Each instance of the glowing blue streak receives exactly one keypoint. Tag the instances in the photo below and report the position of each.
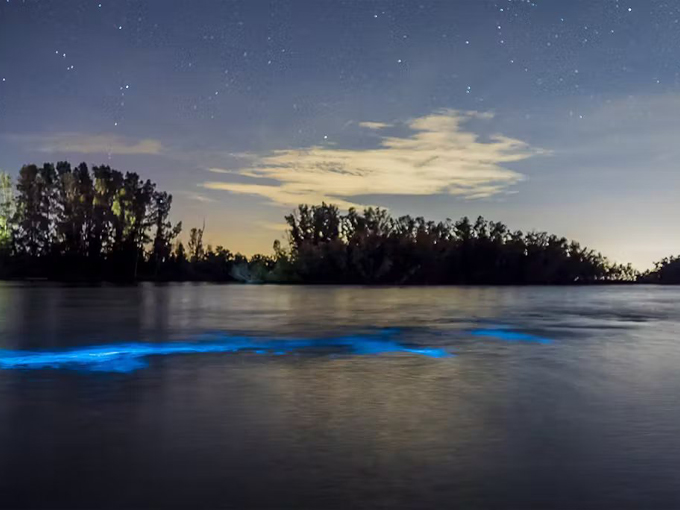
(132, 356)
(509, 336)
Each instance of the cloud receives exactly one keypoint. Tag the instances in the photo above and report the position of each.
(190, 195)
(438, 157)
(243, 155)
(374, 125)
(241, 172)
(279, 195)
(272, 225)
(89, 144)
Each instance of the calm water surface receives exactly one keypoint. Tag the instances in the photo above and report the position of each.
(555, 398)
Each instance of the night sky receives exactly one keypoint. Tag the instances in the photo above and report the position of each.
(556, 115)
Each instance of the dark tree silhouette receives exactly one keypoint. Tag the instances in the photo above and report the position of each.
(666, 271)
(70, 223)
(35, 189)
(372, 247)
(74, 207)
(165, 233)
(6, 214)
(195, 245)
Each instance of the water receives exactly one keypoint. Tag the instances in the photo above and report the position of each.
(339, 397)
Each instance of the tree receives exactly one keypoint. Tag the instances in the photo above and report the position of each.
(34, 209)
(6, 212)
(374, 248)
(74, 208)
(666, 271)
(101, 237)
(165, 233)
(180, 253)
(66, 221)
(196, 244)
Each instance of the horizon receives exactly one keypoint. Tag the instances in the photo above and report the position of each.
(284, 228)
(557, 118)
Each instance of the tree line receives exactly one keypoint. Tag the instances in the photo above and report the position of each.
(75, 223)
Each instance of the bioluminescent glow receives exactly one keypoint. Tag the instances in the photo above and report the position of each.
(127, 357)
(509, 336)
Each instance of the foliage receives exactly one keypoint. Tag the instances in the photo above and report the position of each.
(69, 223)
(373, 248)
(666, 271)
(6, 212)
(77, 223)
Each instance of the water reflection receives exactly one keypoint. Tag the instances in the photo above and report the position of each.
(588, 421)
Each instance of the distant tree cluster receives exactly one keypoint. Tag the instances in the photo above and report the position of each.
(64, 222)
(78, 223)
(666, 271)
(374, 248)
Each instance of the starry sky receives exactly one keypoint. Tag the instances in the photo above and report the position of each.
(553, 114)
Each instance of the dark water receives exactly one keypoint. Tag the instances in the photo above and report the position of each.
(555, 398)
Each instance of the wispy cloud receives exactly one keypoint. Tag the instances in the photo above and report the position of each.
(439, 157)
(197, 197)
(243, 155)
(241, 172)
(81, 143)
(272, 225)
(374, 125)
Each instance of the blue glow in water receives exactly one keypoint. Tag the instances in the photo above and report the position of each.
(509, 336)
(128, 357)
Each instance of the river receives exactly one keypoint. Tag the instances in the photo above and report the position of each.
(235, 396)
